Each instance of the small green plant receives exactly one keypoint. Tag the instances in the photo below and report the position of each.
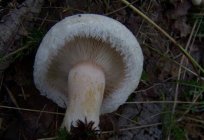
(192, 92)
(28, 43)
(171, 127)
(63, 135)
(178, 132)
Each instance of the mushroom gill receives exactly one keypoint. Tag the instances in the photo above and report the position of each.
(82, 49)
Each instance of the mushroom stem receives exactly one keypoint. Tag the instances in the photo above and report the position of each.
(86, 84)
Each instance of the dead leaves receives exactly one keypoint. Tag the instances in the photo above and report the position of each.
(177, 15)
(180, 25)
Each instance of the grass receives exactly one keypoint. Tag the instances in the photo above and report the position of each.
(28, 43)
(63, 135)
(171, 127)
(191, 59)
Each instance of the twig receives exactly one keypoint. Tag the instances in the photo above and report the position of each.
(41, 112)
(62, 114)
(144, 90)
(131, 128)
(31, 110)
(13, 53)
(179, 71)
(23, 93)
(192, 60)
(164, 102)
(194, 33)
(110, 13)
(184, 67)
(64, 9)
(193, 119)
(54, 138)
(42, 19)
(150, 4)
(11, 96)
(126, 118)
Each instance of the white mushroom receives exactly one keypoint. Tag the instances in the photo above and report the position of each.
(89, 64)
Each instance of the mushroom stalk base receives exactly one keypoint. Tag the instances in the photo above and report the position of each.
(86, 84)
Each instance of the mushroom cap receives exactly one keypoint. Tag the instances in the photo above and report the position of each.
(89, 29)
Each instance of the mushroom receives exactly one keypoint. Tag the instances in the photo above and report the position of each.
(88, 64)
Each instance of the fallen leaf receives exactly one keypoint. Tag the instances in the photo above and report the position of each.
(180, 9)
(181, 27)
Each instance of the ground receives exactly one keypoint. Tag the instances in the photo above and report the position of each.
(167, 104)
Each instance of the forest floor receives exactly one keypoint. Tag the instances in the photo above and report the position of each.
(169, 101)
